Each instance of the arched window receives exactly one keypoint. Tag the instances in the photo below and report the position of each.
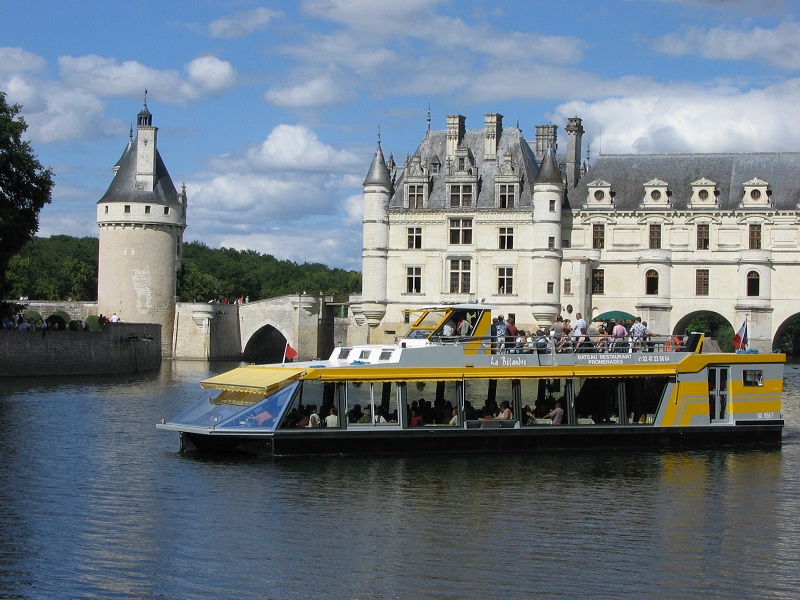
(753, 280)
(651, 282)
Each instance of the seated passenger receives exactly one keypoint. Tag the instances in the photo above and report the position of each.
(367, 416)
(355, 414)
(332, 420)
(454, 418)
(416, 420)
(556, 415)
(505, 411)
(313, 417)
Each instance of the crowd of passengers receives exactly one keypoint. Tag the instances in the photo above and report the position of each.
(568, 336)
(420, 413)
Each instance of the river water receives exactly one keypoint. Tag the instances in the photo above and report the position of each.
(95, 502)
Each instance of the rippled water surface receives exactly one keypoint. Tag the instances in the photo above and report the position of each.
(95, 502)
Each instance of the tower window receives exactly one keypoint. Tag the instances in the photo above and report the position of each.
(701, 282)
(703, 236)
(568, 287)
(459, 276)
(651, 282)
(551, 287)
(505, 280)
(655, 237)
(147, 210)
(755, 237)
(598, 236)
(552, 206)
(413, 280)
(598, 281)
(414, 238)
(753, 283)
(551, 243)
(106, 208)
(166, 210)
(127, 209)
(460, 231)
(506, 238)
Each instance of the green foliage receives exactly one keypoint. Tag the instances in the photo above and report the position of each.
(715, 326)
(245, 273)
(33, 316)
(94, 322)
(60, 267)
(25, 187)
(789, 340)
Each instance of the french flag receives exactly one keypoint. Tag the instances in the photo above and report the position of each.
(740, 339)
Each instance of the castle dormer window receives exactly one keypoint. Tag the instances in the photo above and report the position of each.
(704, 194)
(415, 195)
(656, 193)
(460, 194)
(756, 194)
(507, 183)
(599, 194)
(507, 194)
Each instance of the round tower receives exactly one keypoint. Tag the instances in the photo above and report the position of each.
(548, 196)
(377, 189)
(141, 219)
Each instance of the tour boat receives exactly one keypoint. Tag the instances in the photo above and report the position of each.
(448, 385)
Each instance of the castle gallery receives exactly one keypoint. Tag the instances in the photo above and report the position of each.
(486, 215)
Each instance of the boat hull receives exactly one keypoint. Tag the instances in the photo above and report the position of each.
(540, 438)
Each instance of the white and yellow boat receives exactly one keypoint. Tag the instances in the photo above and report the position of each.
(432, 392)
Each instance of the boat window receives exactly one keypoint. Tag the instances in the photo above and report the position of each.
(486, 395)
(538, 397)
(344, 353)
(431, 403)
(609, 400)
(386, 354)
(267, 413)
(314, 398)
(753, 378)
(210, 412)
(364, 354)
(371, 403)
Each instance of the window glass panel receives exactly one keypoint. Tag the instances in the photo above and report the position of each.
(598, 236)
(432, 403)
(703, 236)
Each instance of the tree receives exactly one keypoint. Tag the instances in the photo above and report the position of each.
(25, 186)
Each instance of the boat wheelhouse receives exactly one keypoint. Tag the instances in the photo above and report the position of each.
(439, 389)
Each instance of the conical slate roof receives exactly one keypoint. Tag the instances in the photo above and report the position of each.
(378, 171)
(123, 186)
(549, 171)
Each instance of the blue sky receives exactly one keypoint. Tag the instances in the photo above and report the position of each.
(269, 111)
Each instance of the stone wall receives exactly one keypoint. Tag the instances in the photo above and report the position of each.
(76, 310)
(119, 348)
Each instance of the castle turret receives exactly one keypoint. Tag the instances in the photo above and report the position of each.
(548, 196)
(141, 219)
(377, 190)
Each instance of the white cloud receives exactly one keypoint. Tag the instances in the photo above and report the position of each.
(321, 91)
(242, 23)
(779, 47)
(692, 119)
(296, 148)
(17, 60)
(211, 73)
(107, 76)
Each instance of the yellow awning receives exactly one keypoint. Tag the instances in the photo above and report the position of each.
(253, 379)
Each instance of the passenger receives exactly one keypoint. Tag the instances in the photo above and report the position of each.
(379, 418)
(448, 329)
(530, 416)
(469, 411)
(603, 340)
(355, 414)
(367, 416)
(313, 417)
(580, 333)
(638, 335)
(505, 411)
(501, 334)
(511, 335)
(618, 335)
(332, 420)
(463, 328)
(556, 415)
(454, 418)
(303, 420)
(416, 420)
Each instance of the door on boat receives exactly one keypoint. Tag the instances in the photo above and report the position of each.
(718, 378)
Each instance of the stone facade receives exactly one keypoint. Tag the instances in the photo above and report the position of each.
(485, 215)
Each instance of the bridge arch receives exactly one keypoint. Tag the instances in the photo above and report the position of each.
(265, 345)
(683, 322)
(787, 335)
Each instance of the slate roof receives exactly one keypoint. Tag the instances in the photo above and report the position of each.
(435, 145)
(627, 174)
(123, 186)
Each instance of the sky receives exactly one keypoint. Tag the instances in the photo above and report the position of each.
(270, 112)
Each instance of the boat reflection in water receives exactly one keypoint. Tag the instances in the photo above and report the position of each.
(440, 391)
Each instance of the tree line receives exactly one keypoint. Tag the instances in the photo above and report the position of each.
(63, 267)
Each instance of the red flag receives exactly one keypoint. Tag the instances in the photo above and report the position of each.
(290, 352)
(740, 339)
